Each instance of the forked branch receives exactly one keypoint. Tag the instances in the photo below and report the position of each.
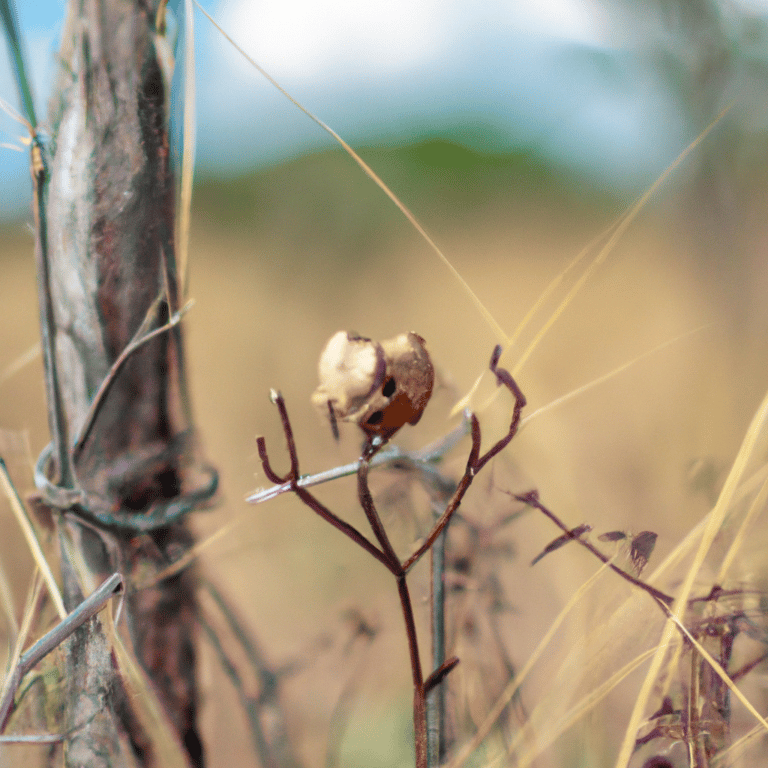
(475, 462)
(385, 552)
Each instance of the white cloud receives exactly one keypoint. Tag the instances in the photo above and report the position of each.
(581, 21)
(304, 39)
(307, 39)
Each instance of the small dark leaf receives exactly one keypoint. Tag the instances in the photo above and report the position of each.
(642, 547)
(561, 540)
(612, 536)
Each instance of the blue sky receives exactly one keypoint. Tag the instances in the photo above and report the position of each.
(571, 80)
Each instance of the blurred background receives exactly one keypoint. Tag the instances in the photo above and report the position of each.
(517, 133)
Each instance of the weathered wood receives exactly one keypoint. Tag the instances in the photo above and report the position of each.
(108, 257)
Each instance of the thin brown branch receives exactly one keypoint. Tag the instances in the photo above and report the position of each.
(348, 530)
(386, 554)
(437, 677)
(419, 693)
(366, 502)
(532, 500)
(504, 377)
(475, 462)
(311, 501)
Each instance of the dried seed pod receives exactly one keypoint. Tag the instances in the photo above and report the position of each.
(379, 386)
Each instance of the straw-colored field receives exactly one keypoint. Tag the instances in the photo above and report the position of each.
(303, 251)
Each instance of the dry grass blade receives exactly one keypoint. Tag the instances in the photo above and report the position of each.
(29, 615)
(24, 359)
(514, 685)
(145, 704)
(554, 283)
(683, 548)
(616, 230)
(730, 756)
(188, 143)
(621, 227)
(22, 518)
(721, 673)
(605, 377)
(757, 506)
(14, 114)
(142, 336)
(7, 603)
(756, 434)
(495, 327)
(551, 731)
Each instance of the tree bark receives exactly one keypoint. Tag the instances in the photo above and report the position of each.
(123, 455)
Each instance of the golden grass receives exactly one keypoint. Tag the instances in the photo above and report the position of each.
(616, 457)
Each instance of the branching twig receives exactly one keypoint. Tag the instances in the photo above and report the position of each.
(532, 500)
(292, 478)
(425, 458)
(385, 552)
(86, 610)
(475, 462)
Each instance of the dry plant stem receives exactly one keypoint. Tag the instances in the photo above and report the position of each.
(475, 462)
(366, 502)
(385, 553)
(419, 694)
(424, 458)
(89, 607)
(272, 743)
(313, 503)
(56, 416)
(42, 738)
(694, 736)
(142, 336)
(747, 668)
(532, 500)
(435, 692)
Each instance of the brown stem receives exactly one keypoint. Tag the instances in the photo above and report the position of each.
(293, 472)
(475, 462)
(366, 502)
(504, 377)
(346, 529)
(387, 554)
(442, 522)
(532, 500)
(419, 697)
(311, 501)
(437, 677)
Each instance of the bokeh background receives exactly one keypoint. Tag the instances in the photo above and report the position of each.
(517, 133)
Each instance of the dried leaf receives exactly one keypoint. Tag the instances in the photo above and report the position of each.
(612, 536)
(642, 548)
(573, 534)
